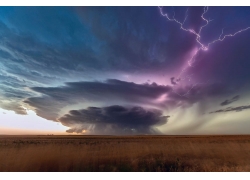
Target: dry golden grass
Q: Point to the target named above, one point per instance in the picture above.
(124, 153)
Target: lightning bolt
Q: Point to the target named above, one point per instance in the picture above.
(202, 46)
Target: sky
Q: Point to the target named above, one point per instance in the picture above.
(125, 70)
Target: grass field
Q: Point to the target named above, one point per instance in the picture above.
(124, 153)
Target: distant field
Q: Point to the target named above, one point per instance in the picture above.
(124, 153)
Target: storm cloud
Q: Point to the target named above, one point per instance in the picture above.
(113, 120)
(110, 91)
(74, 61)
(230, 109)
(229, 101)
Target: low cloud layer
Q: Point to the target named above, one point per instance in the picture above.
(229, 101)
(114, 120)
(230, 109)
(112, 91)
(54, 102)
(109, 92)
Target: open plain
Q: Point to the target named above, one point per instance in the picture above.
(124, 153)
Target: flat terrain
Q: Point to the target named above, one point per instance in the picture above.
(125, 153)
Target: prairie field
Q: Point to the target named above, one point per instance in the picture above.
(124, 153)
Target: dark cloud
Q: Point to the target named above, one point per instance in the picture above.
(110, 91)
(113, 120)
(114, 91)
(174, 81)
(229, 101)
(46, 107)
(127, 91)
(229, 109)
